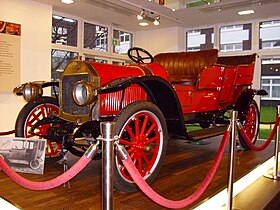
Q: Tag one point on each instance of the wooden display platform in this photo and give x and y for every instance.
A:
(185, 166)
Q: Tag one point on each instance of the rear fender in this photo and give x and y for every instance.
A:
(245, 98)
(162, 94)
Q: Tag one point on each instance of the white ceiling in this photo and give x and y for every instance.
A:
(122, 13)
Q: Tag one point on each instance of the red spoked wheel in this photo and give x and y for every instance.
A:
(33, 112)
(142, 130)
(250, 125)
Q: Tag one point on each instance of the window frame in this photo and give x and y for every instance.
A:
(259, 33)
(197, 32)
(270, 85)
(235, 28)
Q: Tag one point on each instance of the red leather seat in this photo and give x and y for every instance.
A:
(184, 67)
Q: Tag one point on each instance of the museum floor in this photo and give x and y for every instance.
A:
(185, 166)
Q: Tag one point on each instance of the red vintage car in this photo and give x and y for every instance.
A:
(150, 101)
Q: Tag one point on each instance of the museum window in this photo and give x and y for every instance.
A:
(92, 45)
(95, 37)
(269, 34)
(270, 81)
(235, 37)
(60, 59)
(64, 31)
(272, 86)
(201, 39)
(122, 41)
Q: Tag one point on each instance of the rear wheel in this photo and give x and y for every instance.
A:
(33, 112)
(250, 124)
(142, 131)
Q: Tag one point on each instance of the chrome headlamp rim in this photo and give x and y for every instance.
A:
(84, 93)
(31, 91)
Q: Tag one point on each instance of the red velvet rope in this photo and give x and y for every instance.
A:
(260, 148)
(181, 203)
(46, 185)
(7, 132)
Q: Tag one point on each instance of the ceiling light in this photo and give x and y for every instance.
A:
(140, 17)
(67, 1)
(246, 12)
(143, 24)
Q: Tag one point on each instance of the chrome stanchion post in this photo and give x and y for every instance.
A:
(234, 115)
(274, 174)
(107, 137)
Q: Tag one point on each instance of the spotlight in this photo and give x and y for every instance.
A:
(141, 16)
(156, 21)
(145, 17)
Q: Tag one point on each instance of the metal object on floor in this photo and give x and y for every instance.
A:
(274, 173)
(63, 162)
(108, 139)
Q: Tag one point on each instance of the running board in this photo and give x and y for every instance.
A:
(207, 132)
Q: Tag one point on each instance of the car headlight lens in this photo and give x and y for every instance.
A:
(32, 92)
(84, 93)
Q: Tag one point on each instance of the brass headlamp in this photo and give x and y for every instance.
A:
(84, 93)
(32, 92)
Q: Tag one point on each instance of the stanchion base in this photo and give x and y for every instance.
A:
(270, 174)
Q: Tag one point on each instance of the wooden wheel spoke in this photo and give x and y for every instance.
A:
(130, 132)
(152, 140)
(137, 128)
(150, 129)
(144, 125)
(125, 142)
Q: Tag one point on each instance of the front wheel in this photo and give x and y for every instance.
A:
(142, 130)
(250, 124)
(33, 112)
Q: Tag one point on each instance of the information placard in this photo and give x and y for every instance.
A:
(25, 155)
(9, 55)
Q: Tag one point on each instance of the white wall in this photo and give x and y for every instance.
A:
(35, 62)
(161, 40)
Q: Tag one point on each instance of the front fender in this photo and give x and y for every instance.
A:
(161, 93)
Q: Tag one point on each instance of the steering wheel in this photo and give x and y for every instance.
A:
(139, 55)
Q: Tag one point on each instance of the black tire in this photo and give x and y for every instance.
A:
(250, 123)
(146, 114)
(24, 121)
(204, 124)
